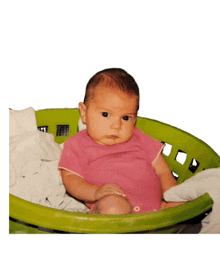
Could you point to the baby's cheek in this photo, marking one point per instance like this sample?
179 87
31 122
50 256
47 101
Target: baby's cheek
127 134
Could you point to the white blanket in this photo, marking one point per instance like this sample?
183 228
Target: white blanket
205 181
33 162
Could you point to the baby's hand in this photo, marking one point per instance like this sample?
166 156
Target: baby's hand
167 205
108 189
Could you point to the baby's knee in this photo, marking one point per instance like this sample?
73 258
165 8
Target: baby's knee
113 204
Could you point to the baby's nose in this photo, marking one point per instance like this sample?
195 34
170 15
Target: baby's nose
116 124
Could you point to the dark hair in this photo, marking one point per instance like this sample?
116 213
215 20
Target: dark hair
115 77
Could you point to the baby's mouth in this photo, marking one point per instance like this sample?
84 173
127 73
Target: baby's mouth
112 137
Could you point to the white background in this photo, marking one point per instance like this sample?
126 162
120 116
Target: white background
171 48
50 49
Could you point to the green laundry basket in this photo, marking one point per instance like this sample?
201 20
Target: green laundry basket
27 217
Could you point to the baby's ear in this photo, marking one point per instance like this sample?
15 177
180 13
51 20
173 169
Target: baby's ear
82 109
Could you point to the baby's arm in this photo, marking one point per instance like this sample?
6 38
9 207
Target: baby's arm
163 170
167 180
82 190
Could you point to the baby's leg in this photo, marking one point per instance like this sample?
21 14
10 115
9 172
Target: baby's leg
112 204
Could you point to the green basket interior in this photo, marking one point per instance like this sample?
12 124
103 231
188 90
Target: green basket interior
63 123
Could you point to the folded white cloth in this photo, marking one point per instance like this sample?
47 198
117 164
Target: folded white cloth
21 121
33 165
30 147
207 181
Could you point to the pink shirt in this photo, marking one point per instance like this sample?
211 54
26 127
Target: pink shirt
128 165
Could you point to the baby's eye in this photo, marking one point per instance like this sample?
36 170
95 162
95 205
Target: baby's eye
126 118
105 114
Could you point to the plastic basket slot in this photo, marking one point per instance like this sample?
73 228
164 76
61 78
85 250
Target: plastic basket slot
181 157
194 165
167 149
43 128
175 175
62 130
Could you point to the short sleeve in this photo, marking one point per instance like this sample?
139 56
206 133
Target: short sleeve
71 158
151 146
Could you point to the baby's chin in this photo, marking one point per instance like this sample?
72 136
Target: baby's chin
108 142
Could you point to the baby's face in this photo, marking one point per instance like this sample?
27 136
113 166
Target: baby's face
110 116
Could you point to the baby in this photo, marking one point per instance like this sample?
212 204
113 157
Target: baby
112 166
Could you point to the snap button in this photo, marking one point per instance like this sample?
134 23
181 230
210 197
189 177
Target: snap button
136 208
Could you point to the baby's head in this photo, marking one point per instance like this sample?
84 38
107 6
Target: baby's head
110 106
